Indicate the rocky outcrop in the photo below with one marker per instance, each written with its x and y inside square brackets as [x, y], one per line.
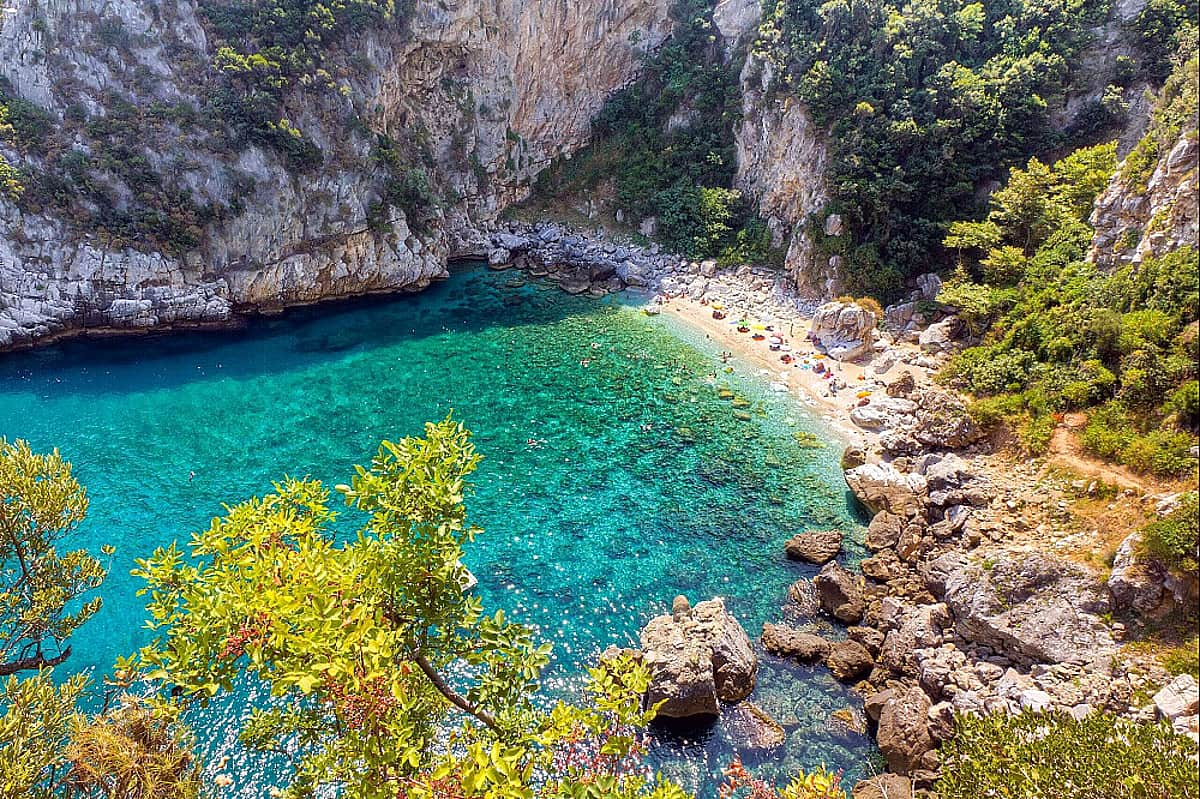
[882, 487]
[817, 547]
[1036, 608]
[697, 656]
[843, 330]
[903, 736]
[1133, 222]
[918, 418]
[290, 236]
[841, 593]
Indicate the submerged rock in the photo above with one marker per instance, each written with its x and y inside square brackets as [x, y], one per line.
[751, 727]
[697, 656]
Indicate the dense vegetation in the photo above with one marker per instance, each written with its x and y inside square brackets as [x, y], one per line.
[1061, 334]
[667, 143]
[1051, 755]
[1175, 538]
[926, 102]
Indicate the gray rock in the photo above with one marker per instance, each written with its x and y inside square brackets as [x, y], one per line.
[882, 487]
[845, 331]
[1180, 697]
[1135, 584]
[1033, 606]
[944, 336]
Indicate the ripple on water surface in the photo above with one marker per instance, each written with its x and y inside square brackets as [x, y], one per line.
[614, 476]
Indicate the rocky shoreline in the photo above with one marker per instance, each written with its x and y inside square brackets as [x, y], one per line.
[950, 613]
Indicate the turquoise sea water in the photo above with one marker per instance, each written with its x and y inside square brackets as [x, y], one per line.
[640, 482]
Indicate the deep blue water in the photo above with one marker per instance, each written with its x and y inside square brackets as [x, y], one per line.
[641, 484]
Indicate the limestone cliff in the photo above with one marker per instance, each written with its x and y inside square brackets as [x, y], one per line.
[490, 89]
[1152, 204]
[782, 158]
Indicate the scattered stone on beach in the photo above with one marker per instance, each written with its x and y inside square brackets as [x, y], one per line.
[817, 547]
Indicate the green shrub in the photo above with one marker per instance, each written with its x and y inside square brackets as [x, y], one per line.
[1184, 402]
[990, 412]
[1175, 538]
[1052, 756]
[1035, 434]
[1163, 453]
[1108, 431]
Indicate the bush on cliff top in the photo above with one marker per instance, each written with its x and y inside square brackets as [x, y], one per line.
[1051, 755]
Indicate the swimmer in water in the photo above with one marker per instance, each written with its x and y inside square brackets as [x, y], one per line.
[191, 476]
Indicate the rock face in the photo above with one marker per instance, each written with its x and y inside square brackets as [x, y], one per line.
[1134, 584]
[1133, 222]
[782, 158]
[697, 656]
[844, 330]
[298, 237]
[817, 547]
[1033, 607]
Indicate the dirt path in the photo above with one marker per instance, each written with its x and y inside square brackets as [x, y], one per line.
[1066, 451]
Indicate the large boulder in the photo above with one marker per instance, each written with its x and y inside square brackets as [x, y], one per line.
[844, 330]
[944, 336]
[849, 660]
[697, 656]
[1032, 606]
[1180, 697]
[884, 531]
[881, 487]
[942, 420]
[882, 413]
[817, 547]
[841, 593]
[903, 735]
[783, 641]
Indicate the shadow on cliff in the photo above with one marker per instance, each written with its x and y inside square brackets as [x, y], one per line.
[471, 300]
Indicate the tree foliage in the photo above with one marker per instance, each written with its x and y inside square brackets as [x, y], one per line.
[42, 589]
[388, 677]
[927, 102]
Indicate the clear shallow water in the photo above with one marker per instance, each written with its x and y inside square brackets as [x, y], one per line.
[643, 483]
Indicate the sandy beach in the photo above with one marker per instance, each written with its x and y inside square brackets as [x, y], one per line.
[802, 376]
